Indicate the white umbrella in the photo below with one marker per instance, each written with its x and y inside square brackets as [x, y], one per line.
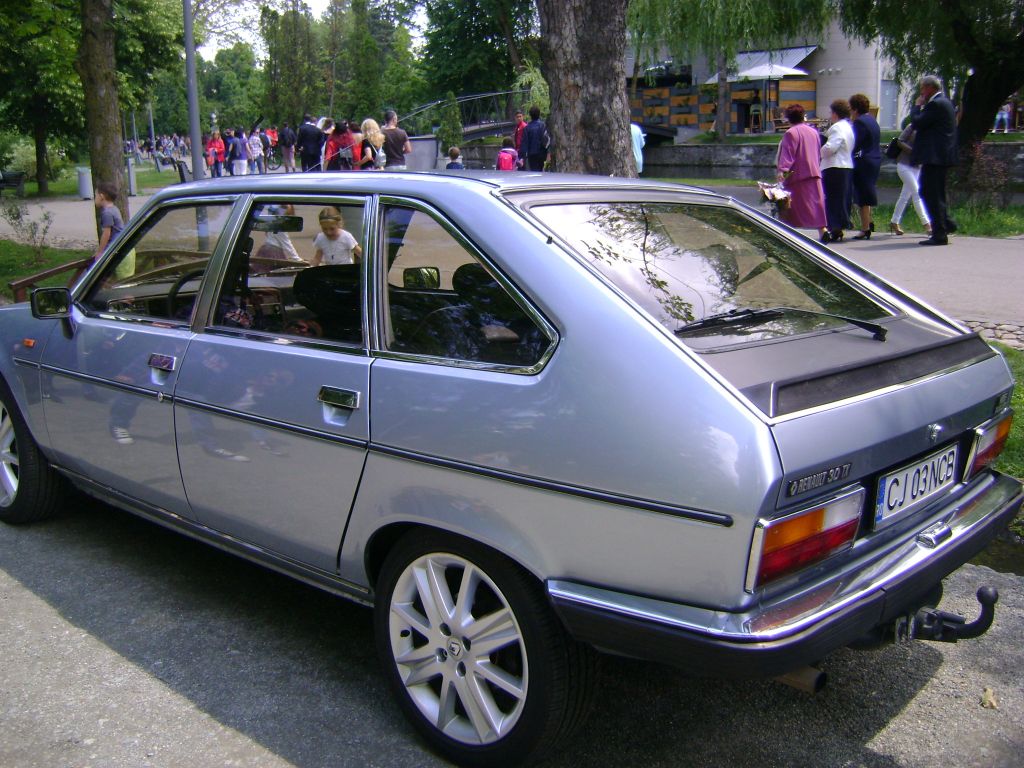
[768, 71]
[765, 71]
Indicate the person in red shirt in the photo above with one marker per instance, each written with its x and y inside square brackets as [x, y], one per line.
[272, 135]
[215, 151]
[517, 136]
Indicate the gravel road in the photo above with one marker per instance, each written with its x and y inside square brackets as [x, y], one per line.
[127, 645]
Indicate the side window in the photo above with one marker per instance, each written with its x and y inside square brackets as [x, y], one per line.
[297, 271]
[158, 272]
[444, 302]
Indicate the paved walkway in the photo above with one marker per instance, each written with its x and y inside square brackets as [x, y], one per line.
[977, 280]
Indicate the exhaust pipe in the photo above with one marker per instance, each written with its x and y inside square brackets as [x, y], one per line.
[806, 679]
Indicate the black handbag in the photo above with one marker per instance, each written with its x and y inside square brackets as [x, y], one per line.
[894, 149]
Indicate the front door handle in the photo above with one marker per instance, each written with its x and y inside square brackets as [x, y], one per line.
[339, 398]
[166, 363]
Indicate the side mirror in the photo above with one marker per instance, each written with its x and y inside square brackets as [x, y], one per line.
[421, 277]
[51, 303]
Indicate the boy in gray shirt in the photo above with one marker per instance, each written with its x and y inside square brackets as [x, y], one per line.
[111, 223]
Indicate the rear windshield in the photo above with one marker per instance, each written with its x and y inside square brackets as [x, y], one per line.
[686, 262]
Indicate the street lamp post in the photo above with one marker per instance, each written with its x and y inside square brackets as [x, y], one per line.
[198, 164]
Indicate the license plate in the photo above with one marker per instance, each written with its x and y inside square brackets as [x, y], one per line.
[914, 485]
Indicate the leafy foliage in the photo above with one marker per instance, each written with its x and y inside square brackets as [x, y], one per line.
[974, 45]
[450, 132]
[719, 29]
[532, 79]
[292, 83]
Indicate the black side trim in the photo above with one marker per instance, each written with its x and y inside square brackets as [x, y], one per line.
[715, 518]
[112, 384]
[847, 382]
[26, 363]
[272, 423]
[707, 655]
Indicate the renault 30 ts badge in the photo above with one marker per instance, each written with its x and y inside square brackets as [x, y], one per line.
[818, 479]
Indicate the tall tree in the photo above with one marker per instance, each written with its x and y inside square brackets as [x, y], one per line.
[293, 85]
[583, 59]
[402, 83]
[363, 91]
[96, 67]
[980, 42]
[719, 29]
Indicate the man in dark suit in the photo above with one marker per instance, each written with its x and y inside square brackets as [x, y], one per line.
[934, 119]
[309, 142]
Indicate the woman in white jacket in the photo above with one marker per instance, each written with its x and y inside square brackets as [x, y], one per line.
[837, 171]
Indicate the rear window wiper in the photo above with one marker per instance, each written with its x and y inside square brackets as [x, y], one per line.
[732, 317]
[744, 316]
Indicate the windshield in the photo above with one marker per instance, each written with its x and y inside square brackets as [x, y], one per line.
[683, 262]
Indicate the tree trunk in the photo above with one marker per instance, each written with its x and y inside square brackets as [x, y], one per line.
[724, 99]
[95, 67]
[984, 93]
[583, 60]
[42, 166]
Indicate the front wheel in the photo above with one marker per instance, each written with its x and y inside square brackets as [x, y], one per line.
[273, 160]
[30, 489]
[475, 656]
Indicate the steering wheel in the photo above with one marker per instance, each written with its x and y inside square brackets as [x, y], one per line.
[172, 294]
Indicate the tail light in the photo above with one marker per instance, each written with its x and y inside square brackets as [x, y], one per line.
[797, 540]
[989, 441]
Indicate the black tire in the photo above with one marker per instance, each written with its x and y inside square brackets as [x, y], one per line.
[30, 489]
[554, 674]
[273, 160]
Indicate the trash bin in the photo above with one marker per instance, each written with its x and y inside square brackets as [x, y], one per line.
[130, 163]
[84, 183]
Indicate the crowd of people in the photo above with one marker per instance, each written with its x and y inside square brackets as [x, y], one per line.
[330, 144]
[827, 175]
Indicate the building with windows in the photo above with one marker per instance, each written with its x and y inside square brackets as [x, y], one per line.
[672, 99]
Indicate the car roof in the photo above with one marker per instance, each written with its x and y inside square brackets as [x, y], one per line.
[406, 182]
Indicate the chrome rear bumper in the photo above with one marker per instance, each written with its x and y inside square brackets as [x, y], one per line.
[800, 627]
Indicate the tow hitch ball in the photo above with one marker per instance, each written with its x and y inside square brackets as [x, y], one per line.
[933, 624]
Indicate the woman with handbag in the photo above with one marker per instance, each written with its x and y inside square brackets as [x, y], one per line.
[908, 174]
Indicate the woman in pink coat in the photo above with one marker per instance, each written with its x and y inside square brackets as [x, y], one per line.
[799, 170]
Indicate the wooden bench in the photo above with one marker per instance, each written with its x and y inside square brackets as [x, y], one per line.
[13, 180]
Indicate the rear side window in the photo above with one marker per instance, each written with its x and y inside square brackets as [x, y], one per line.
[444, 302]
[685, 262]
[157, 273]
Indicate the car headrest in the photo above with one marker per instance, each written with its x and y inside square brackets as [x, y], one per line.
[330, 290]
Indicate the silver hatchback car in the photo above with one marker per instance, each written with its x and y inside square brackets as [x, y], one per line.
[524, 417]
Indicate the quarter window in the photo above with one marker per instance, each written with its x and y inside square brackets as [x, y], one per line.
[444, 302]
[157, 273]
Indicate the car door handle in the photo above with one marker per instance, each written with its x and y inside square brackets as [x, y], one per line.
[339, 398]
[166, 363]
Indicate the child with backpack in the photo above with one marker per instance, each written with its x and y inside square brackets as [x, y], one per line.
[508, 158]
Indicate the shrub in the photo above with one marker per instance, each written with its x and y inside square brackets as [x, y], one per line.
[23, 158]
[981, 179]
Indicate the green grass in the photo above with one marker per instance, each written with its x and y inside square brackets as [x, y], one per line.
[147, 178]
[972, 221]
[18, 261]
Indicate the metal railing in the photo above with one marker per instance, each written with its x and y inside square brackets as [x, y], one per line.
[476, 111]
[20, 288]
